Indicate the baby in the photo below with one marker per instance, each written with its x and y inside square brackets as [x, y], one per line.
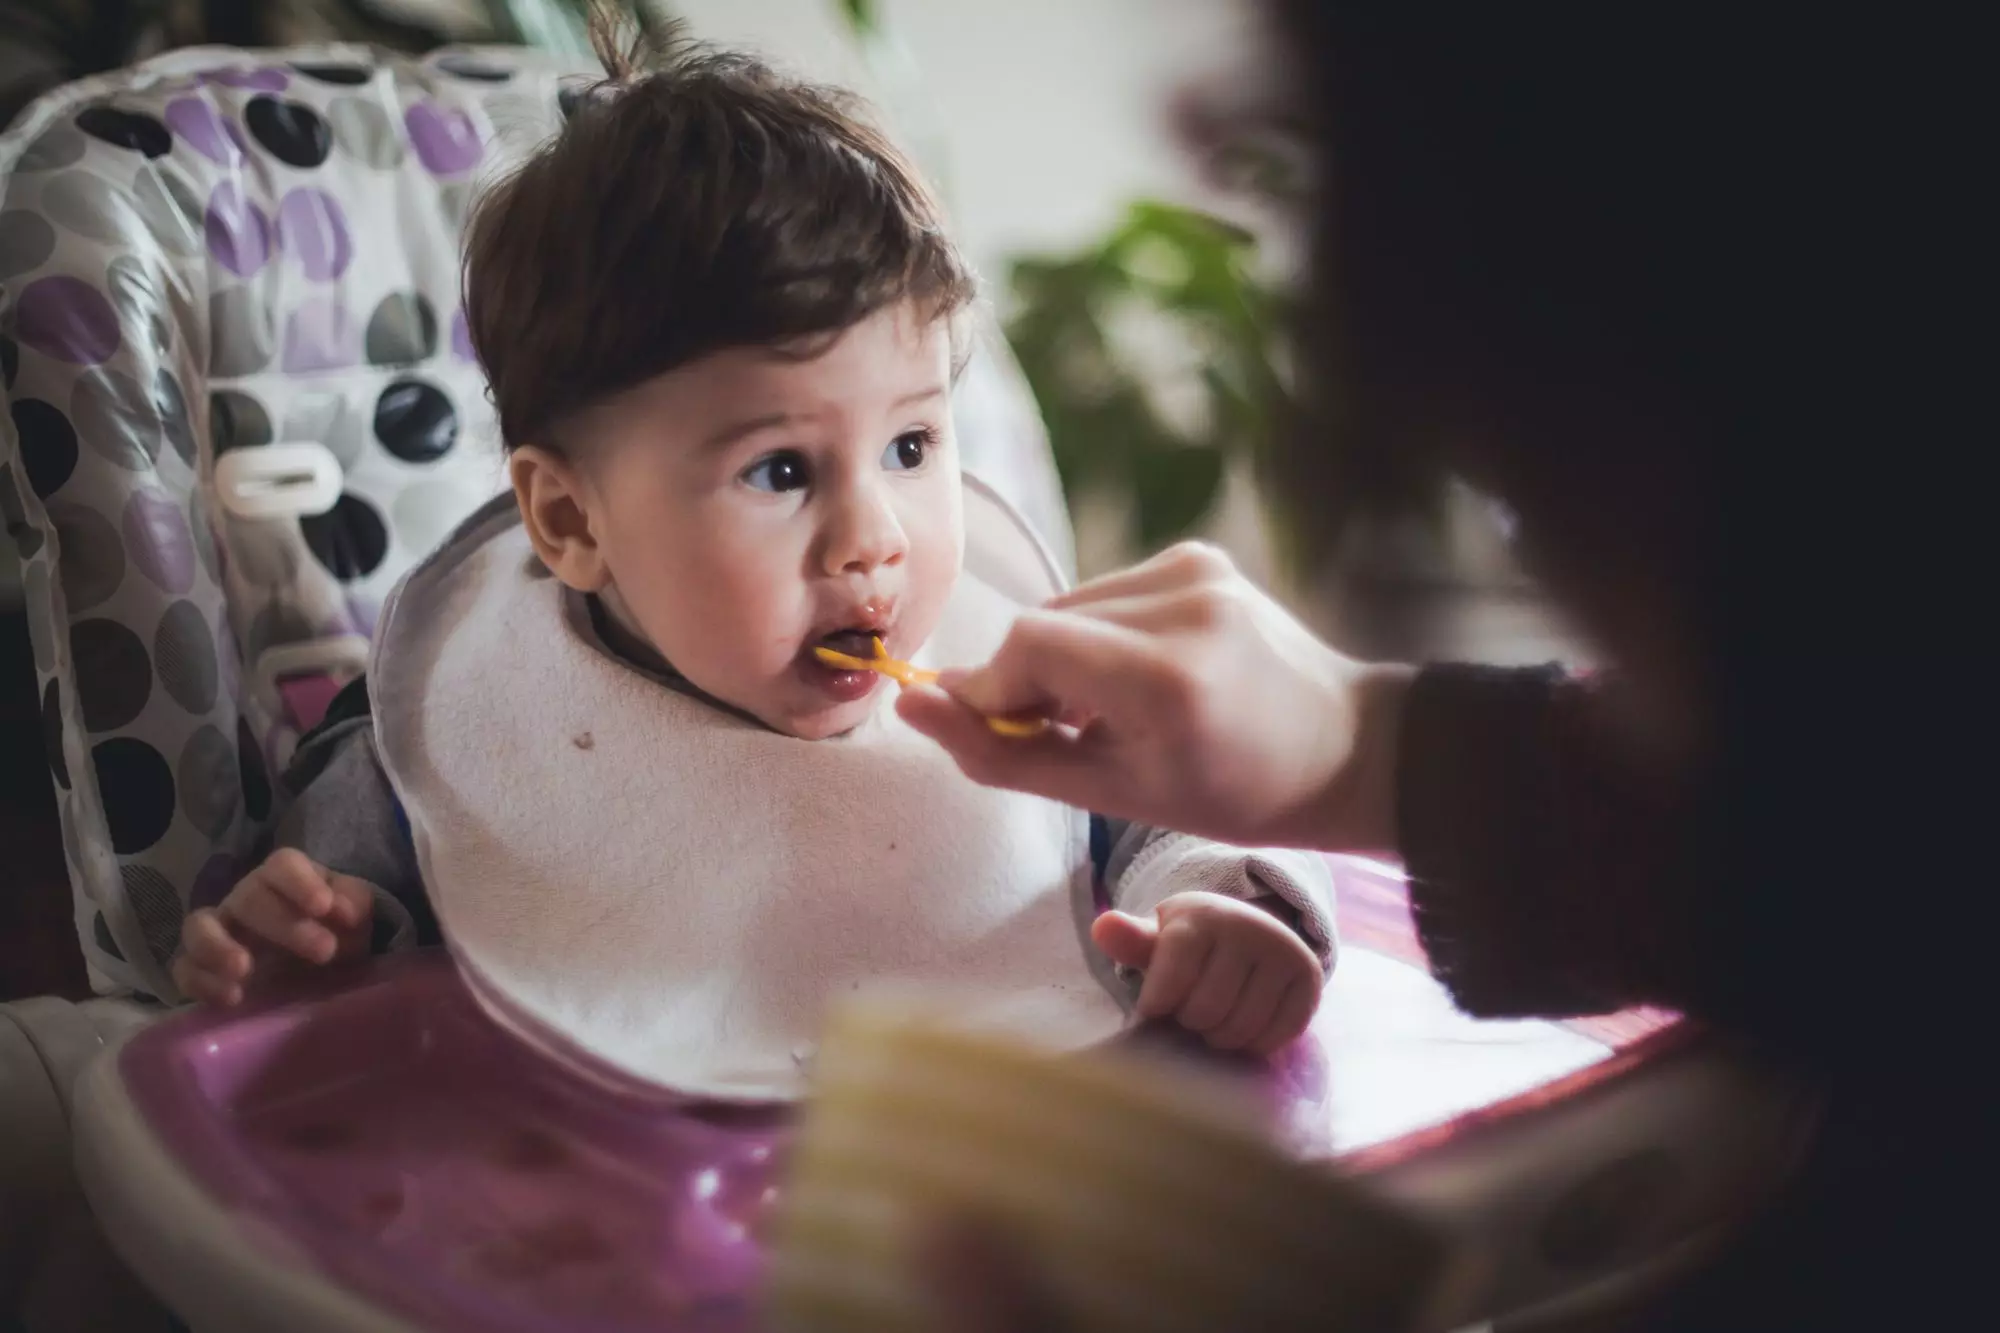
[721, 320]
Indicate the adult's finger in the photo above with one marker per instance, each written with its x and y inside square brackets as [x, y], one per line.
[1061, 765]
[1176, 567]
[1055, 661]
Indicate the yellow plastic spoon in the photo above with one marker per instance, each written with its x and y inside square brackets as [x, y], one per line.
[907, 675]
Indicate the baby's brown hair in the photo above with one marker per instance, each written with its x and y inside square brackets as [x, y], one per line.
[695, 200]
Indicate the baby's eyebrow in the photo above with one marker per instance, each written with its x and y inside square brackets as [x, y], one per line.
[729, 435]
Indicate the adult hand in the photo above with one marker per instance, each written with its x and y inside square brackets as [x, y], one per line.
[1193, 701]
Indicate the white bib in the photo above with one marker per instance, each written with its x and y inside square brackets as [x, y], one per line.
[647, 886]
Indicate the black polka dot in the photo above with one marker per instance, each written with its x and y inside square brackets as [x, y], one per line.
[100, 930]
[140, 298]
[126, 129]
[52, 733]
[10, 360]
[237, 421]
[210, 784]
[343, 76]
[415, 421]
[476, 70]
[137, 785]
[291, 132]
[350, 539]
[568, 99]
[27, 539]
[48, 444]
[250, 763]
[114, 675]
[172, 404]
[157, 906]
[402, 331]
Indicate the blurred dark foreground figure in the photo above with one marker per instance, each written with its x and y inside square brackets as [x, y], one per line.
[1647, 285]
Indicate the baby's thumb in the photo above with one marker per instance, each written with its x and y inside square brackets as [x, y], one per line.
[353, 901]
[1125, 939]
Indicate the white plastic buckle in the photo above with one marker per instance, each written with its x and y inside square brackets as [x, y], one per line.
[291, 479]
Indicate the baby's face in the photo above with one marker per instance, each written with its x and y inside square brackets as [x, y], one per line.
[752, 506]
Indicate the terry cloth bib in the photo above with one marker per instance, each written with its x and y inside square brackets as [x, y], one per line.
[649, 887]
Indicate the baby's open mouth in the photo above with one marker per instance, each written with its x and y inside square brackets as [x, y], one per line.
[852, 642]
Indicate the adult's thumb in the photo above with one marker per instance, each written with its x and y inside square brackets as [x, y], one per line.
[1125, 939]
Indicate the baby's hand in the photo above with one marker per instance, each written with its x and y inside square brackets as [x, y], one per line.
[285, 908]
[1219, 966]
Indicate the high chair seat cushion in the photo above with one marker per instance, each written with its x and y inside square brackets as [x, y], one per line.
[241, 402]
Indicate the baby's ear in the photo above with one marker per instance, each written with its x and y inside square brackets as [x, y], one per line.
[557, 515]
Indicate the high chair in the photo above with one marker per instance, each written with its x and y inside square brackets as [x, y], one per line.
[241, 404]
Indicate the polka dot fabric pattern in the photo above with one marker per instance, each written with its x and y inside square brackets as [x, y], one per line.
[211, 252]
[220, 252]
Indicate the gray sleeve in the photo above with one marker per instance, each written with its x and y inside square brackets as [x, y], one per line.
[1149, 865]
[344, 818]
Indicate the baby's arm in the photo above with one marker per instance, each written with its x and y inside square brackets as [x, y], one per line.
[342, 881]
[1235, 944]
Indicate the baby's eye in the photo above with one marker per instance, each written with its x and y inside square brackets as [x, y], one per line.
[908, 450]
[778, 472]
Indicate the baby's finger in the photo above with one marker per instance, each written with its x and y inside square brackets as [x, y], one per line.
[277, 921]
[1215, 995]
[353, 901]
[208, 988]
[294, 877]
[1291, 1019]
[1255, 1008]
[208, 945]
[1178, 959]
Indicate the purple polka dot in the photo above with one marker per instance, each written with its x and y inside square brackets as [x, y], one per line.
[68, 319]
[446, 141]
[199, 125]
[312, 230]
[320, 336]
[461, 337]
[214, 880]
[257, 80]
[239, 236]
[158, 541]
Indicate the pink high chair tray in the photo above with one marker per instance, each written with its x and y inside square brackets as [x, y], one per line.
[380, 1126]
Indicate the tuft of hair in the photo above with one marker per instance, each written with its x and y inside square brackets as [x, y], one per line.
[695, 200]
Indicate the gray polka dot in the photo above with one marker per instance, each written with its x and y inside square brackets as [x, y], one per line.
[171, 210]
[26, 242]
[240, 334]
[88, 205]
[209, 784]
[402, 331]
[184, 652]
[93, 556]
[157, 906]
[115, 417]
[331, 420]
[41, 611]
[363, 130]
[63, 144]
[204, 538]
[237, 421]
[140, 298]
